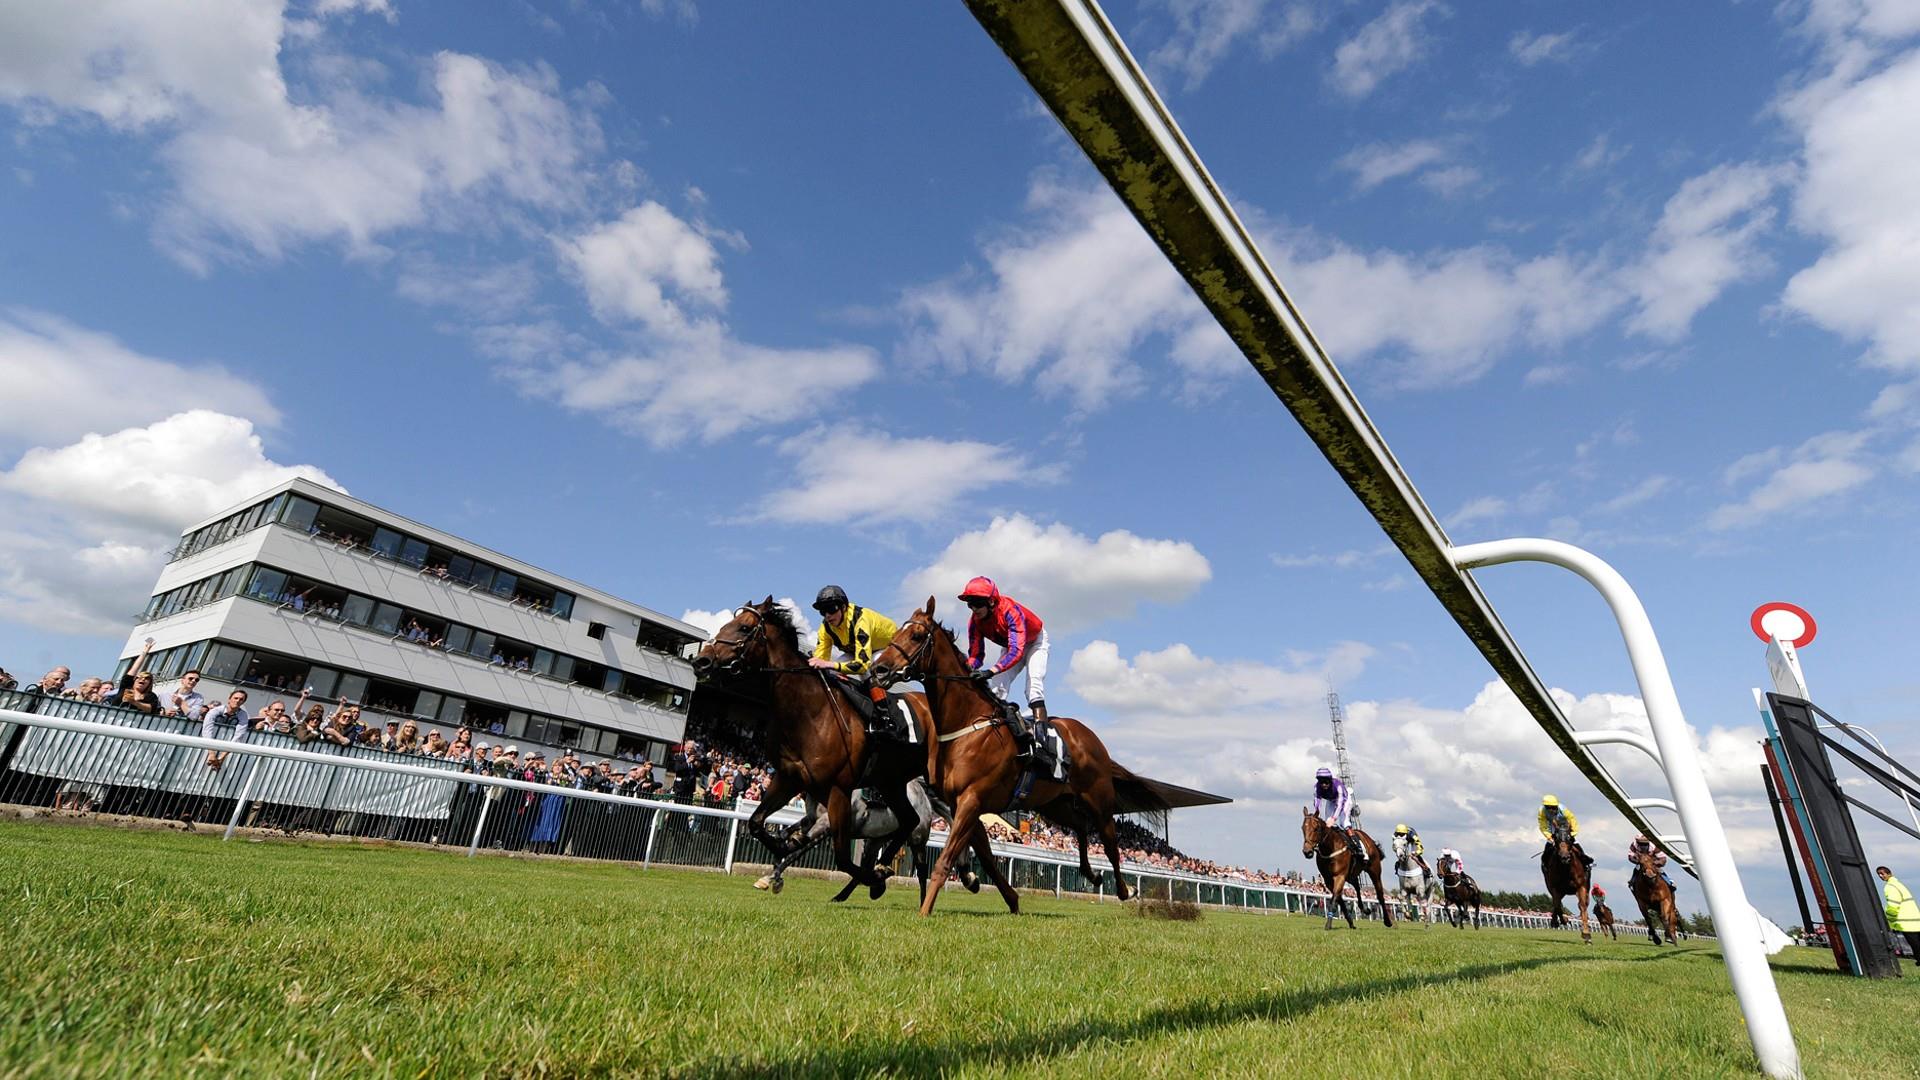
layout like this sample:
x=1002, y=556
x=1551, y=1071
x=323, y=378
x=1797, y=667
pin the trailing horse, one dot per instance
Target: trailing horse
x=1655, y=897
x=973, y=761
x=1564, y=866
x=818, y=747
x=1339, y=865
x=872, y=821
x=1459, y=891
x=1417, y=886
x=1604, y=915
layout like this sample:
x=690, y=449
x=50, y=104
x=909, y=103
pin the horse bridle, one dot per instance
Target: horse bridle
x=738, y=662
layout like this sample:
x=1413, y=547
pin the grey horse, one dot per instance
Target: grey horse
x=1417, y=886
x=872, y=822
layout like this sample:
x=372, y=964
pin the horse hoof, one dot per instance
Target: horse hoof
x=765, y=883
x=972, y=882
x=877, y=889
x=778, y=884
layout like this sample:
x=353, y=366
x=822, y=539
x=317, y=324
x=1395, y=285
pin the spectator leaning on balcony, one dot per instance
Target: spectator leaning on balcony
x=186, y=701
x=7, y=682
x=50, y=684
x=233, y=712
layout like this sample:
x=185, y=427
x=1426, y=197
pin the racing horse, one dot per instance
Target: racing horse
x=1604, y=914
x=1458, y=891
x=816, y=744
x=1327, y=846
x=1565, y=868
x=973, y=762
x=872, y=822
x=1655, y=897
x=1417, y=886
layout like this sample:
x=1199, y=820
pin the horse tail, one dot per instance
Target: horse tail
x=1134, y=793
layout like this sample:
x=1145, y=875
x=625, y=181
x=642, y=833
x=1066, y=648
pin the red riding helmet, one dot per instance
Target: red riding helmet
x=980, y=588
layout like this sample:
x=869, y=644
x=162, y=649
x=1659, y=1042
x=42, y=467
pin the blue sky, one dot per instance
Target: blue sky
x=697, y=303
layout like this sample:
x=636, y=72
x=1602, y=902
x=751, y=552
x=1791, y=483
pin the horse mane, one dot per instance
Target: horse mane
x=780, y=617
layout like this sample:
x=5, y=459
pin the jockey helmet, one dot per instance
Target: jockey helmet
x=1549, y=800
x=830, y=597
x=1400, y=830
x=1323, y=773
x=980, y=588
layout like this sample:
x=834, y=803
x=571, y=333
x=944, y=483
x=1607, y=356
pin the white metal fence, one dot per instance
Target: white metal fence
x=92, y=759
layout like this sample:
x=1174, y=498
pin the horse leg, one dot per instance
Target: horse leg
x=1380, y=893
x=966, y=815
x=1586, y=935
x=1110, y=839
x=1086, y=869
x=780, y=792
x=840, y=815
x=983, y=853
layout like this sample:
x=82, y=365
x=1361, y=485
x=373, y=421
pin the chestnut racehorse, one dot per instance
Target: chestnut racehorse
x=1655, y=897
x=973, y=763
x=1604, y=915
x=1458, y=891
x=1339, y=864
x=1566, y=874
x=817, y=745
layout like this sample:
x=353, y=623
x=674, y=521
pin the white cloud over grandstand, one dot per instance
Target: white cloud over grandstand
x=861, y=478
x=1205, y=31
x=54, y=371
x=105, y=509
x=1393, y=42
x=1067, y=578
x=256, y=166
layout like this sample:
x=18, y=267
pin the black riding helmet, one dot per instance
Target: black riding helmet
x=830, y=597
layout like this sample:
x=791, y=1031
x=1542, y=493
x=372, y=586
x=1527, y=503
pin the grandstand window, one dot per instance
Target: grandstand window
x=352, y=687
x=358, y=610
x=386, y=619
x=469, y=572
x=428, y=704
x=482, y=645
x=563, y=604
x=414, y=552
x=324, y=681
x=503, y=583
x=596, y=631
x=479, y=714
x=298, y=513
x=268, y=584
x=562, y=667
x=223, y=663
x=536, y=730
x=517, y=723
x=458, y=637
x=387, y=542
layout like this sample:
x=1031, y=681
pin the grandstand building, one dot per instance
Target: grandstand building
x=303, y=586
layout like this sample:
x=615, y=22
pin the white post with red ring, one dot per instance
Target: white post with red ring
x=1786, y=628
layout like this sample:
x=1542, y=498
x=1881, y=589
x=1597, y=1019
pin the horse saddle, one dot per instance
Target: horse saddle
x=889, y=717
x=1049, y=760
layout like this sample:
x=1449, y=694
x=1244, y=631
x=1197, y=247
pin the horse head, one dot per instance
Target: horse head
x=909, y=654
x=739, y=645
x=1312, y=831
x=1562, y=840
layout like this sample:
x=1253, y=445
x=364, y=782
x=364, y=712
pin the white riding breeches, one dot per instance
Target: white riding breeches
x=1034, y=663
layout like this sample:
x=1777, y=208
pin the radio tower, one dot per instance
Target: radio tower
x=1343, y=766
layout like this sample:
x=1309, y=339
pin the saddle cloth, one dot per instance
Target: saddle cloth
x=1050, y=760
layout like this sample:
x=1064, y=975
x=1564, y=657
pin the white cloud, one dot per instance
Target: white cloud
x=63, y=381
x=1377, y=163
x=161, y=476
x=1483, y=508
x=646, y=266
x=1531, y=49
x=1707, y=239
x=1339, y=560
x=1599, y=154
x=1386, y=46
x=1239, y=698
x=1861, y=170
x=382, y=8
x=1206, y=30
x=853, y=477
x=1549, y=375
x=257, y=168
x=1645, y=491
x=1067, y=578
x=1799, y=481
x=705, y=384
x=1450, y=181
x=480, y=289
x=1066, y=302
x=105, y=509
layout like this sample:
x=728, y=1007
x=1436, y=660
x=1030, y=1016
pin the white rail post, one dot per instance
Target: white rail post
x=653, y=830
x=486, y=804
x=1734, y=918
x=246, y=789
x=733, y=833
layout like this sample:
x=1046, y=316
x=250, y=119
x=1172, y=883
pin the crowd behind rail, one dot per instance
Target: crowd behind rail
x=711, y=767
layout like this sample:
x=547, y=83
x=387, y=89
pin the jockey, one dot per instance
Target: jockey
x=1407, y=839
x=1459, y=864
x=1023, y=646
x=1642, y=846
x=856, y=635
x=1600, y=893
x=1333, y=804
x=1550, y=812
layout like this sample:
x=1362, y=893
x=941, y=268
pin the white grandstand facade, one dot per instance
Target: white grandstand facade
x=305, y=587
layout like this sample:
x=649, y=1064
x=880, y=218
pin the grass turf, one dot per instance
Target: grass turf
x=167, y=954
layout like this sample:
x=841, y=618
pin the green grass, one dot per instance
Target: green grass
x=167, y=954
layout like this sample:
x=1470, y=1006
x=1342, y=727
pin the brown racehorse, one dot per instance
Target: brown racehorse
x=1566, y=874
x=974, y=765
x=1458, y=891
x=817, y=744
x=1328, y=848
x=1655, y=897
x=1604, y=915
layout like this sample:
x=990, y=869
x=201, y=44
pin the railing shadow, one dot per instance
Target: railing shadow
x=908, y=1056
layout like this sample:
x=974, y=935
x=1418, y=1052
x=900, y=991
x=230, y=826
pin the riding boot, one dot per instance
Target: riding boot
x=1022, y=731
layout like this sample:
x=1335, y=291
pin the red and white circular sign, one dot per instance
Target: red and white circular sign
x=1788, y=622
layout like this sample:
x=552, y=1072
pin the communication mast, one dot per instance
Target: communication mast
x=1342, y=765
